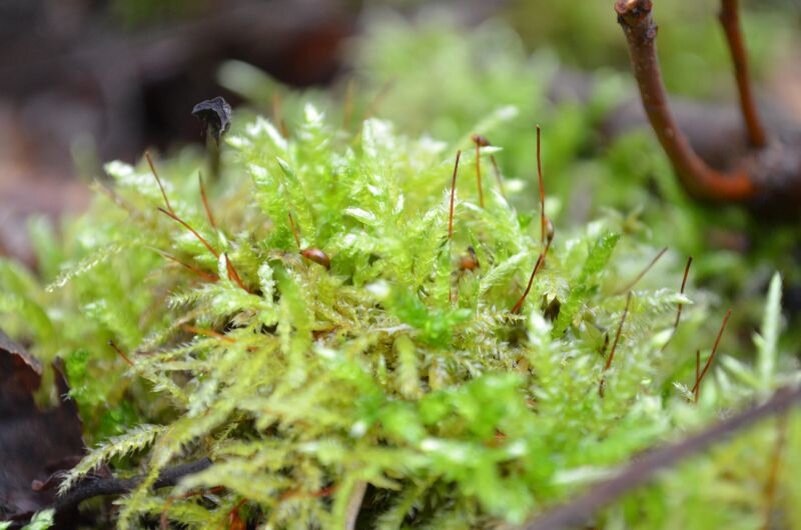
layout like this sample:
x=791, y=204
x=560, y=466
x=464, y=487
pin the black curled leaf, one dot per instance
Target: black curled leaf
x=215, y=114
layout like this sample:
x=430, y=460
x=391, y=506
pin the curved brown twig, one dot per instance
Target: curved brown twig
x=730, y=20
x=700, y=180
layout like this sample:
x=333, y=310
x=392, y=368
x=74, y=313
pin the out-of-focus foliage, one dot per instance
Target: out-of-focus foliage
x=395, y=368
x=132, y=13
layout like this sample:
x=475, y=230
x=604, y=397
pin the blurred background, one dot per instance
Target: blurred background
x=87, y=81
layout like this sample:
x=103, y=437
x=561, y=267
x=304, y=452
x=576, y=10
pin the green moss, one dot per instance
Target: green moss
x=393, y=368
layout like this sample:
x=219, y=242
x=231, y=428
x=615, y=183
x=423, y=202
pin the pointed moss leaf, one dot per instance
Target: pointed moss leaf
x=136, y=439
x=408, y=372
x=377, y=137
x=768, y=339
x=501, y=272
x=583, y=286
x=41, y=520
x=90, y=262
x=262, y=128
x=435, y=325
x=364, y=216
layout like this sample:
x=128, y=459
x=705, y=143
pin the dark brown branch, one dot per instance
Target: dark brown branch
x=95, y=487
x=700, y=180
x=730, y=20
x=578, y=511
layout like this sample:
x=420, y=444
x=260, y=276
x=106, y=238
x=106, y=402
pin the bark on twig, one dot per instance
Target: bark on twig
x=767, y=179
x=578, y=511
x=700, y=180
x=730, y=20
x=95, y=487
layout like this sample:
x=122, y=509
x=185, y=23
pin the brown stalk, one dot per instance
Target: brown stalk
x=680, y=305
x=294, y=229
x=158, y=181
x=453, y=194
x=699, y=179
x=233, y=275
x=377, y=100
x=278, y=114
x=540, y=260
x=697, y=372
x=697, y=387
x=207, y=333
x=478, y=176
x=543, y=219
x=611, y=357
x=347, y=105
x=194, y=232
x=120, y=353
x=209, y=215
x=773, y=475
x=730, y=20
x=497, y=172
x=481, y=141
x=201, y=273
x=639, y=277
x=579, y=511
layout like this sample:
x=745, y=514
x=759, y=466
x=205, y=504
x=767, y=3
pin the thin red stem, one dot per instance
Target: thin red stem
x=602, y=382
x=639, y=277
x=714, y=350
x=540, y=260
x=207, y=333
x=497, y=172
x=617, y=334
x=201, y=273
x=478, y=176
x=773, y=476
x=543, y=222
x=453, y=194
x=294, y=229
x=680, y=305
x=730, y=20
x=209, y=214
x=120, y=353
x=158, y=181
x=233, y=275
x=194, y=232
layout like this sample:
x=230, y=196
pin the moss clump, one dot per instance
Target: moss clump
x=396, y=375
x=393, y=368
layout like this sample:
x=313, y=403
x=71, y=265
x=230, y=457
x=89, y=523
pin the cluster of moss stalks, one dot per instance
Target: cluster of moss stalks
x=391, y=383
